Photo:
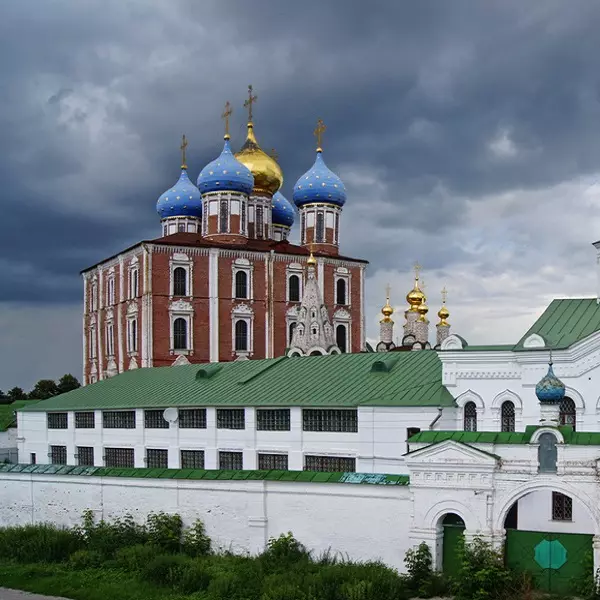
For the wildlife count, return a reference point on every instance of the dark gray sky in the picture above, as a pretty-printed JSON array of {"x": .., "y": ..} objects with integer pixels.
[{"x": 467, "y": 133}]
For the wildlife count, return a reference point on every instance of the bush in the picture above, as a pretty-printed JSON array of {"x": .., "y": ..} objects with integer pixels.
[
  {"x": 135, "y": 558},
  {"x": 284, "y": 550},
  {"x": 166, "y": 569},
  {"x": 194, "y": 577},
  {"x": 39, "y": 543},
  {"x": 106, "y": 538},
  {"x": 195, "y": 541},
  {"x": 85, "y": 559},
  {"x": 164, "y": 531}
]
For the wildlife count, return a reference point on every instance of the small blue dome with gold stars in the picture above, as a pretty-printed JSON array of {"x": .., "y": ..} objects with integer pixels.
[
  {"x": 319, "y": 184},
  {"x": 283, "y": 213},
  {"x": 550, "y": 389},
  {"x": 225, "y": 173},
  {"x": 182, "y": 200}
]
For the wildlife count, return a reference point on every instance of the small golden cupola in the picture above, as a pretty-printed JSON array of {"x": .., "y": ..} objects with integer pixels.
[
  {"x": 444, "y": 313},
  {"x": 415, "y": 297},
  {"x": 387, "y": 310},
  {"x": 268, "y": 177},
  {"x": 423, "y": 309}
]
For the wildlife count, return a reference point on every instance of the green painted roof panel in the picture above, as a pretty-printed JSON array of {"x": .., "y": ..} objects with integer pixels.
[
  {"x": 414, "y": 379},
  {"x": 7, "y": 413}
]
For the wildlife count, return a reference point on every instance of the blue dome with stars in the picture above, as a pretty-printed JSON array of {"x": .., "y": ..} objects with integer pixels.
[
  {"x": 182, "y": 200},
  {"x": 225, "y": 173},
  {"x": 283, "y": 213},
  {"x": 319, "y": 184},
  {"x": 550, "y": 389}
]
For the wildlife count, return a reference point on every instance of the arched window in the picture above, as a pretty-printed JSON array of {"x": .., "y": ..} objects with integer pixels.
[
  {"x": 180, "y": 334},
  {"x": 179, "y": 282},
  {"x": 241, "y": 284},
  {"x": 320, "y": 228},
  {"x": 547, "y": 453},
  {"x": 241, "y": 336},
  {"x": 294, "y": 288},
  {"x": 291, "y": 328},
  {"x": 181, "y": 228},
  {"x": 259, "y": 225},
  {"x": 223, "y": 217},
  {"x": 470, "y": 416},
  {"x": 340, "y": 337},
  {"x": 340, "y": 291},
  {"x": 507, "y": 416},
  {"x": 568, "y": 412}
]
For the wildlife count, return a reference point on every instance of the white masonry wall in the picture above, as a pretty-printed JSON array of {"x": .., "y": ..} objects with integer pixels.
[{"x": 239, "y": 515}]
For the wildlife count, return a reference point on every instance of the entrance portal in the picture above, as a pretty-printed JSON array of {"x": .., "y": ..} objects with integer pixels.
[{"x": 454, "y": 531}]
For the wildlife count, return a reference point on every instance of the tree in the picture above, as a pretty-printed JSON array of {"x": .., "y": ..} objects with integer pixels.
[
  {"x": 17, "y": 393},
  {"x": 44, "y": 389},
  {"x": 67, "y": 383}
]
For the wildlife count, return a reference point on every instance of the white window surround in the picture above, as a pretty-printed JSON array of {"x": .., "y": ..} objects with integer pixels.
[
  {"x": 291, "y": 316},
  {"x": 344, "y": 274},
  {"x": 93, "y": 345},
  {"x": 242, "y": 312},
  {"x": 293, "y": 269},
  {"x": 464, "y": 398},
  {"x": 180, "y": 309},
  {"x": 243, "y": 264},
  {"x": 499, "y": 400},
  {"x": 343, "y": 317},
  {"x": 179, "y": 259},
  {"x": 134, "y": 278},
  {"x": 133, "y": 332},
  {"x": 94, "y": 294}
]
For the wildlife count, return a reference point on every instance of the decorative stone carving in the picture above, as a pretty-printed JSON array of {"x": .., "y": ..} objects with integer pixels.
[
  {"x": 181, "y": 306},
  {"x": 534, "y": 341},
  {"x": 180, "y": 360}
]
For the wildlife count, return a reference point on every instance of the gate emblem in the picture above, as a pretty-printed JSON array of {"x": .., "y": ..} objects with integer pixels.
[{"x": 550, "y": 555}]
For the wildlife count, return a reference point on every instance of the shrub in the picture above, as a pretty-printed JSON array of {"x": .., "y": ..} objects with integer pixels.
[
  {"x": 85, "y": 559},
  {"x": 164, "y": 531},
  {"x": 194, "y": 577},
  {"x": 135, "y": 558},
  {"x": 106, "y": 538},
  {"x": 166, "y": 569},
  {"x": 195, "y": 541},
  {"x": 284, "y": 550},
  {"x": 39, "y": 543}
]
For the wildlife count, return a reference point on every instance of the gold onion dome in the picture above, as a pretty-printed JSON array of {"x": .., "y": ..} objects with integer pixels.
[
  {"x": 443, "y": 314},
  {"x": 415, "y": 297},
  {"x": 388, "y": 310},
  {"x": 268, "y": 177},
  {"x": 312, "y": 261},
  {"x": 423, "y": 309}
]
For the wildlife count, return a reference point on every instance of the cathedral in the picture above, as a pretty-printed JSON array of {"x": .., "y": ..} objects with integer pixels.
[{"x": 223, "y": 282}]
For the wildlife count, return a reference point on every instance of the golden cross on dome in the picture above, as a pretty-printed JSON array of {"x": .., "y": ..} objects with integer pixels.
[
  {"x": 226, "y": 114},
  {"x": 320, "y": 129},
  {"x": 274, "y": 154},
  {"x": 248, "y": 104},
  {"x": 184, "y": 144},
  {"x": 418, "y": 268},
  {"x": 388, "y": 289},
  {"x": 444, "y": 294}
]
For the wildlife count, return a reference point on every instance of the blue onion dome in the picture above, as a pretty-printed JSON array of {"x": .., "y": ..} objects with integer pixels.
[
  {"x": 550, "y": 389},
  {"x": 182, "y": 200},
  {"x": 319, "y": 184},
  {"x": 225, "y": 173},
  {"x": 283, "y": 213}
]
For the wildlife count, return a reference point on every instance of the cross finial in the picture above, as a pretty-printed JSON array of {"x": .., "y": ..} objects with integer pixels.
[
  {"x": 226, "y": 114},
  {"x": 183, "y": 146},
  {"x": 274, "y": 154},
  {"x": 418, "y": 268},
  {"x": 248, "y": 104},
  {"x": 387, "y": 292},
  {"x": 444, "y": 295},
  {"x": 320, "y": 129}
]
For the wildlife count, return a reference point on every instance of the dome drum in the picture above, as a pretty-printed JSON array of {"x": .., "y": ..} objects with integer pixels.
[{"x": 226, "y": 217}]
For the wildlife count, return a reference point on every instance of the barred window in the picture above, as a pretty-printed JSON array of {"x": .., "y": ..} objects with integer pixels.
[
  {"x": 118, "y": 457},
  {"x": 241, "y": 284},
  {"x": 241, "y": 336},
  {"x": 320, "y": 228},
  {"x": 85, "y": 420},
  {"x": 259, "y": 225},
  {"x": 118, "y": 419},
  {"x": 330, "y": 420},
  {"x": 273, "y": 419},
  {"x": 266, "y": 462},
  {"x": 470, "y": 416},
  {"x": 243, "y": 218},
  {"x": 179, "y": 281},
  {"x": 153, "y": 419},
  {"x": 562, "y": 507},
  {"x": 192, "y": 418},
  {"x": 331, "y": 464},
  {"x": 58, "y": 420},
  {"x": 568, "y": 412},
  {"x": 180, "y": 335},
  {"x": 231, "y": 418},
  {"x": 58, "y": 455},
  {"x": 157, "y": 458},
  {"x": 231, "y": 461},
  {"x": 192, "y": 459},
  {"x": 85, "y": 456},
  {"x": 508, "y": 416}
]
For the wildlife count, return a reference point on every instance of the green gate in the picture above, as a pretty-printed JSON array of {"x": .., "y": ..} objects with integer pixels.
[
  {"x": 554, "y": 560},
  {"x": 453, "y": 537}
]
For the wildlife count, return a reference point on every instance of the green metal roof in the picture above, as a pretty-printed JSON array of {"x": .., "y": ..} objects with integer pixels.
[
  {"x": 7, "y": 413},
  {"x": 566, "y": 322},
  {"x": 299, "y": 476},
  {"x": 578, "y": 438},
  {"x": 344, "y": 380}
]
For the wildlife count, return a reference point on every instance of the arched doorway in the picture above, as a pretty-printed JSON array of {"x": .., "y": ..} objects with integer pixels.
[
  {"x": 549, "y": 534},
  {"x": 453, "y": 532}
]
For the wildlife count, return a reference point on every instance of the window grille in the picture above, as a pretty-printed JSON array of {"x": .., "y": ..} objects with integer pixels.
[
  {"x": 192, "y": 459},
  {"x": 331, "y": 464},
  {"x": 562, "y": 507},
  {"x": 241, "y": 284},
  {"x": 259, "y": 222},
  {"x": 340, "y": 338},
  {"x": 320, "y": 229},
  {"x": 121, "y": 419},
  {"x": 266, "y": 462},
  {"x": 180, "y": 334},
  {"x": 241, "y": 336},
  {"x": 470, "y": 417},
  {"x": 231, "y": 461},
  {"x": 568, "y": 412},
  {"x": 508, "y": 416},
  {"x": 294, "y": 288},
  {"x": 153, "y": 419},
  {"x": 118, "y": 457},
  {"x": 273, "y": 419},
  {"x": 223, "y": 217},
  {"x": 157, "y": 459},
  {"x": 85, "y": 420},
  {"x": 230, "y": 418},
  {"x": 179, "y": 282},
  {"x": 330, "y": 420},
  {"x": 192, "y": 418},
  {"x": 85, "y": 456},
  {"x": 58, "y": 420},
  {"x": 58, "y": 455},
  {"x": 340, "y": 291}
]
